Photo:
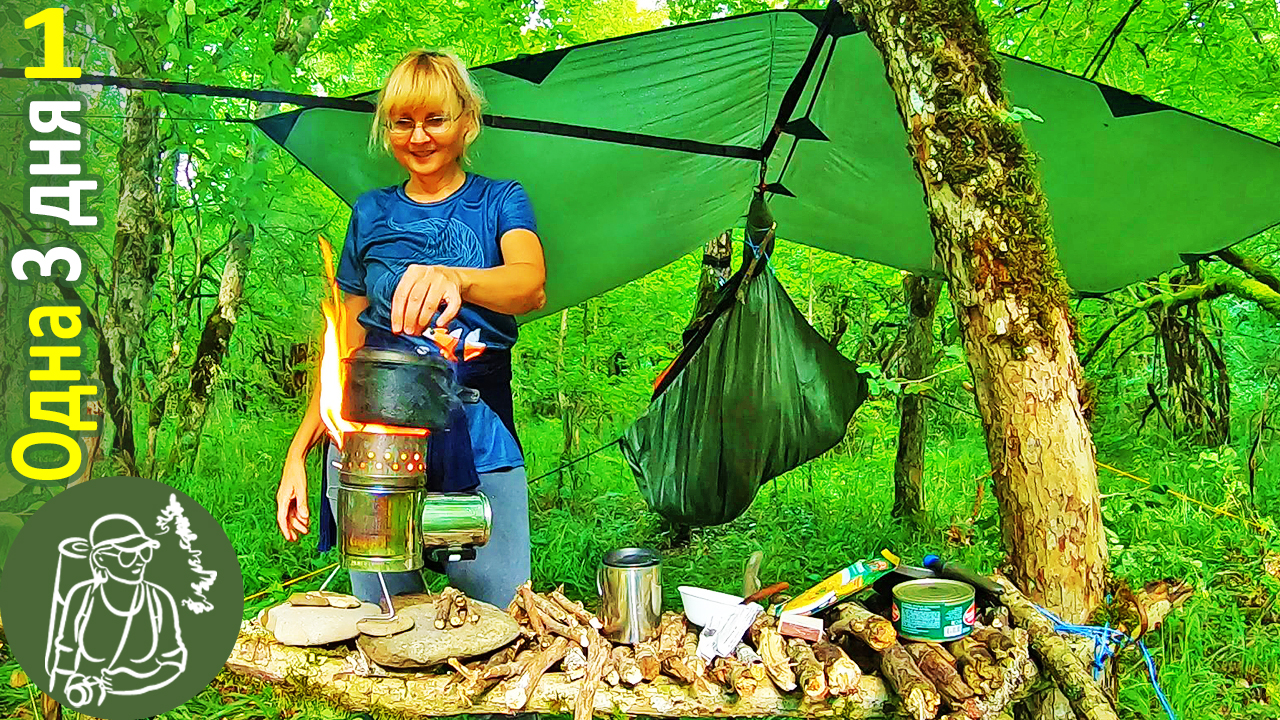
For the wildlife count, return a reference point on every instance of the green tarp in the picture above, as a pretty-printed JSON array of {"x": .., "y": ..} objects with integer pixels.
[{"x": 639, "y": 149}]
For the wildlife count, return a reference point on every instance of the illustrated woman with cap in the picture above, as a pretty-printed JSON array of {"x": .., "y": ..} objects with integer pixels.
[{"x": 116, "y": 633}]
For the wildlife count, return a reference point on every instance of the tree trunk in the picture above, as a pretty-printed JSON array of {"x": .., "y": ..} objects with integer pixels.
[
  {"x": 993, "y": 237},
  {"x": 1197, "y": 386},
  {"x": 292, "y": 37},
  {"x": 917, "y": 362},
  {"x": 136, "y": 248}
]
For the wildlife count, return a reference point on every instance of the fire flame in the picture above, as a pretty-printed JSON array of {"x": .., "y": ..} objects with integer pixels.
[{"x": 331, "y": 367}]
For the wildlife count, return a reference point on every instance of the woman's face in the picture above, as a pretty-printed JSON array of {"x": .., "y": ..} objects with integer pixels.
[{"x": 427, "y": 140}]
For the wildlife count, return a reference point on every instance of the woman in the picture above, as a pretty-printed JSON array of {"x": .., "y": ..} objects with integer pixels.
[{"x": 451, "y": 250}]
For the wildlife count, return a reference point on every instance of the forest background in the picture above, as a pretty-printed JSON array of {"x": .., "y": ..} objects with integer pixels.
[{"x": 206, "y": 279}]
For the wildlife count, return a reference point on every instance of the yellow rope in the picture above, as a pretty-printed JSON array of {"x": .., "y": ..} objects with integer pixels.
[
  {"x": 1191, "y": 500},
  {"x": 287, "y": 583}
]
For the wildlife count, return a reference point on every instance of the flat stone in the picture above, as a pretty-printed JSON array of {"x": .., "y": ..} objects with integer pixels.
[
  {"x": 308, "y": 599},
  {"x": 424, "y": 645},
  {"x": 304, "y": 626},
  {"x": 386, "y": 628}
]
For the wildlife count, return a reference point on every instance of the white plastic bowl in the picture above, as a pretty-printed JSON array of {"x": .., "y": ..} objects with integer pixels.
[{"x": 701, "y": 605}]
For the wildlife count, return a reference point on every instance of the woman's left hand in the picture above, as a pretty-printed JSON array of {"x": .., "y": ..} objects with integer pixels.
[{"x": 421, "y": 292}]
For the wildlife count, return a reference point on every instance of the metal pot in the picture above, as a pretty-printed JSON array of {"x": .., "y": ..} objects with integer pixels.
[
  {"x": 391, "y": 387},
  {"x": 630, "y": 586}
]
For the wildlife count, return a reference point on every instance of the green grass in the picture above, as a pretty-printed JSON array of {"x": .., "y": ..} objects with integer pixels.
[{"x": 1219, "y": 656}]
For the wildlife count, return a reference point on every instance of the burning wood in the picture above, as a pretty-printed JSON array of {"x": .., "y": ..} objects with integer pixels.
[
  {"x": 853, "y": 619},
  {"x": 843, "y": 674},
  {"x": 813, "y": 676},
  {"x": 918, "y": 696}
]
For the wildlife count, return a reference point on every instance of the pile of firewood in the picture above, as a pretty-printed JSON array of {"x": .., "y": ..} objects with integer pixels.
[{"x": 973, "y": 678}]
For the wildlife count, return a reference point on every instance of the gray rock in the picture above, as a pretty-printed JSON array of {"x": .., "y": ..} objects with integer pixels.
[
  {"x": 304, "y": 626},
  {"x": 424, "y": 645}
]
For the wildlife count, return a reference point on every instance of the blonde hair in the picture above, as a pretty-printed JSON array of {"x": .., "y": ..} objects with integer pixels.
[{"x": 428, "y": 77}]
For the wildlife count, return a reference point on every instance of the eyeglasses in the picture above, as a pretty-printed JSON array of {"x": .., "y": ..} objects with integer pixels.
[
  {"x": 434, "y": 125},
  {"x": 128, "y": 557}
]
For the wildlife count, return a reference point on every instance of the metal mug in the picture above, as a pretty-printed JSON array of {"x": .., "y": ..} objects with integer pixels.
[{"x": 630, "y": 585}]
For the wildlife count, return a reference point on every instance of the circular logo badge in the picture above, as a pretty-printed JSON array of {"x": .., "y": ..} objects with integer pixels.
[
  {"x": 896, "y": 615},
  {"x": 971, "y": 615},
  {"x": 121, "y": 598}
]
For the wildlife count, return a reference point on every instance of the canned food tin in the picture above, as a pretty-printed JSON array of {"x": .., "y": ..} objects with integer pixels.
[{"x": 933, "y": 610}]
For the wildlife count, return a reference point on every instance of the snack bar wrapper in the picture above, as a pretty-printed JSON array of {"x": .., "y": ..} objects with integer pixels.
[{"x": 848, "y": 581}]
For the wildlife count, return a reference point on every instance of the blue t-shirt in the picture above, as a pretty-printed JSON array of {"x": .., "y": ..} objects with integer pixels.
[{"x": 389, "y": 231}]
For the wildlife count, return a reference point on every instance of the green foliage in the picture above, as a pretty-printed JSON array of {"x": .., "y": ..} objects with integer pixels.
[{"x": 1220, "y": 655}]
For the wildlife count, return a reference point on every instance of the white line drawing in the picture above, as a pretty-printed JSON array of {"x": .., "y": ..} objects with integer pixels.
[
  {"x": 115, "y": 633},
  {"x": 173, "y": 513}
]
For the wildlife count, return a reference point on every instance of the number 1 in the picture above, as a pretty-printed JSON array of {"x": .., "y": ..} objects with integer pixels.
[{"x": 53, "y": 48}]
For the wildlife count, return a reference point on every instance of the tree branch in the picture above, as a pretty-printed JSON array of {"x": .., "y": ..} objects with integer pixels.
[
  {"x": 1247, "y": 288},
  {"x": 1251, "y": 267}
]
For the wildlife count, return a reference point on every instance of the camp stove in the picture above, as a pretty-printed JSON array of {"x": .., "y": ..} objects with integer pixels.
[{"x": 388, "y": 522}]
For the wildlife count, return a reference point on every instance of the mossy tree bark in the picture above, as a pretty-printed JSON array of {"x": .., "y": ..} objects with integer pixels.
[
  {"x": 136, "y": 247},
  {"x": 917, "y": 362},
  {"x": 295, "y": 29},
  {"x": 991, "y": 225}
]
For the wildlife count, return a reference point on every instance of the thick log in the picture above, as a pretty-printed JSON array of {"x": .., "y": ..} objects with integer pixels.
[
  {"x": 575, "y": 609},
  {"x": 917, "y": 695},
  {"x": 852, "y": 618},
  {"x": 1019, "y": 673},
  {"x": 773, "y": 651},
  {"x": 1085, "y": 695},
  {"x": 257, "y": 655},
  {"x": 812, "y": 675},
  {"x": 843, "y": 674},
  {"x": 521, "y": 687},
  {"x": 624, "y": 660},
  {"x": 938, "y": 666},
  {"x": 598, "y": 655},
  {"x": 977, "y": 665},
  {"x": 647, "y": 660}
]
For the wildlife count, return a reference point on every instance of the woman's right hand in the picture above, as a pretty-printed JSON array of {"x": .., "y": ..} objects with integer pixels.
[{"x": 292, "y": 514}]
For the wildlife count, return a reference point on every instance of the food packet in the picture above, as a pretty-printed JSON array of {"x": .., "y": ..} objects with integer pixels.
[{"x": 848, "y": 581}]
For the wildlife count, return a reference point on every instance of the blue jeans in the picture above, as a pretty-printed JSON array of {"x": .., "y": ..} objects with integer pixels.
[{"x": 500, "y": 567}]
